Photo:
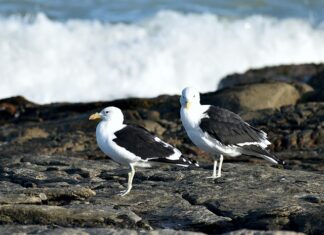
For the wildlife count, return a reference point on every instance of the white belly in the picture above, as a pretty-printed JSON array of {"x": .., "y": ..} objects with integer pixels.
[
  {"x": 112, "y": 152},
  {"x": 211, "y": 145},
  {"x": 197, "y": 137},
  {"x": 111, "y": 149},
  {"x": 194, "y": 132},
  {"x": 203, "y": 140}
]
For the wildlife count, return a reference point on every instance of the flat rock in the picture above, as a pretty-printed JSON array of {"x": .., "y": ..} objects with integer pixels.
[
  {"x": 39, "y": 229},
  {"x": 81, "y": 215},
  {"x": 253, "y": 196}
]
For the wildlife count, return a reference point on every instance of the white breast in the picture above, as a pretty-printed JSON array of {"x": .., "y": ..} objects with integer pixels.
[
  {"x": 191, "y": 121},
  {"x": 105, "y": 137}
]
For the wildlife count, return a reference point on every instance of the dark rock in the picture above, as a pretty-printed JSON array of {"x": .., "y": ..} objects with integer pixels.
[
  {"x": 258, "y": 232},
  {"x": 284, "y": 73},
  {"x": 297, "y": 126},
  {"x": 317, "y": 80},
  {"x": 13, "y": 107},
  {"x": 42, "y": 229}
]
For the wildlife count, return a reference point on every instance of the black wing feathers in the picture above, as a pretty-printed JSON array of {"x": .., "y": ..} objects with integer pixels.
[
  {"x": 140, "y": 142},
  {"x": 254, "y": 149},
  {"x": 228, "y": 127}
]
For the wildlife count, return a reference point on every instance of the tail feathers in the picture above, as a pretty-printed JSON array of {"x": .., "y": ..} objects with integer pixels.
[
  {"x": 190, "y": 160},
  {"x": 181, "y": 161},
  {"x": 254, "y": 150}
]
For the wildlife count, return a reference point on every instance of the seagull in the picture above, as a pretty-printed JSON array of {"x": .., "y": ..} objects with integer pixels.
[
  {"x": 221, "y": 132},
  {"x": 132, "y": 145}
]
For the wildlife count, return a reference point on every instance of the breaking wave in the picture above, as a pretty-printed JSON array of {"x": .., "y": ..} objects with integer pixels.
[{"x": 87, "y": 60}]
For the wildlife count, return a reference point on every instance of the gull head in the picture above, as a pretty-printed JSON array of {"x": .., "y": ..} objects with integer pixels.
[
  {"x": 189, "y": 97},
  {"x": 110, "y": 114}
]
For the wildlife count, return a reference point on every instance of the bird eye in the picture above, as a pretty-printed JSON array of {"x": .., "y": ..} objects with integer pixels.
[{"x": 107, "y": 112}]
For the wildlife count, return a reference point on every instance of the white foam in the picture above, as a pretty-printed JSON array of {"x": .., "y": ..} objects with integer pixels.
[{"x": 81, "y": 60}]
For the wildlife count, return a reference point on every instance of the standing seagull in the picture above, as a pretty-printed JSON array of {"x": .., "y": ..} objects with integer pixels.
[
  {"x": 133, "y": 145},
  {"x": 219, "y": 131}
]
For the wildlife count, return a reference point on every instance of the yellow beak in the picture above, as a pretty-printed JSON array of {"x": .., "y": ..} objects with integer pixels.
[
  {"x": 95, "y": 116},
  {"x": 188, "y": 105}
]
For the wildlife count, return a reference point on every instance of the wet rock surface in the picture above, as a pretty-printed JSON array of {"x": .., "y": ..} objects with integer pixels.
[{"x": 54, "y": 179}]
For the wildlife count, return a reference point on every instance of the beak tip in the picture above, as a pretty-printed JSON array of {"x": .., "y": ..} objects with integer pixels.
[{"x": 94, "y": 116}]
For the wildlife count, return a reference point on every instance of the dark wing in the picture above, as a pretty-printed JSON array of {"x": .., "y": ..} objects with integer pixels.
[
  {"x": 142, "y": 143},
  {"x": 228, "y": 128},
  {"x": 254, "y": 150}
]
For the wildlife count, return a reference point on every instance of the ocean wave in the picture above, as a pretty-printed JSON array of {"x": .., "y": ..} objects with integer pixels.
[{"x": 84, "y": 60}]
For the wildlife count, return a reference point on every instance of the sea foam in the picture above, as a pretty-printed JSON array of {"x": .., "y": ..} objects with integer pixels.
[{"x": 80, "y": 60}]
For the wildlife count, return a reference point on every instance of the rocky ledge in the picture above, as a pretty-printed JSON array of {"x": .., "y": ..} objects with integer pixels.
[{"x": 54, "y": 179}]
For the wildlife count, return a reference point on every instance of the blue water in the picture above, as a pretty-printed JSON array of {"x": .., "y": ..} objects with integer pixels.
[
  {"x": 134, "y": 10},
  {"x": 85, "y": 50}
]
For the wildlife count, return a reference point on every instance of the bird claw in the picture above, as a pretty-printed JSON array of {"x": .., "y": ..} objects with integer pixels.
[
  {"x": 123, "y": 193},
  {"x": 213, "y": 177}
]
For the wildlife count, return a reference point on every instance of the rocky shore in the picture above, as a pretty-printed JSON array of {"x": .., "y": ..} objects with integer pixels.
[{"x": 54, "y": 179}]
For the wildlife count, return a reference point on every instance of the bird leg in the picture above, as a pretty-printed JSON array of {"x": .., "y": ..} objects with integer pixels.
[
  {"x": 219, "y": 172},
  {"x": 214, "y": 171},
  {"x": 130, "y": 181}
]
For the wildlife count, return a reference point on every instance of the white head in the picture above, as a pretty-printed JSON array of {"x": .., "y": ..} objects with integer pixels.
[
  {"x": 190, "y": 97},
  {"x": 110, "y": 114}
]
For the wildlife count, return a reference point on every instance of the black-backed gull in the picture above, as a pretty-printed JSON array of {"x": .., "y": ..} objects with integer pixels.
[
  {"x": 221, "y": 132},
  {"x": 133, "y": 145}
]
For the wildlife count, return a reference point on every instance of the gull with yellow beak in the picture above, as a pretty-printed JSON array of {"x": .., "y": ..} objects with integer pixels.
[
  {"x": 220, "y": 132},
  {"x": 133, "y": 146}
]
